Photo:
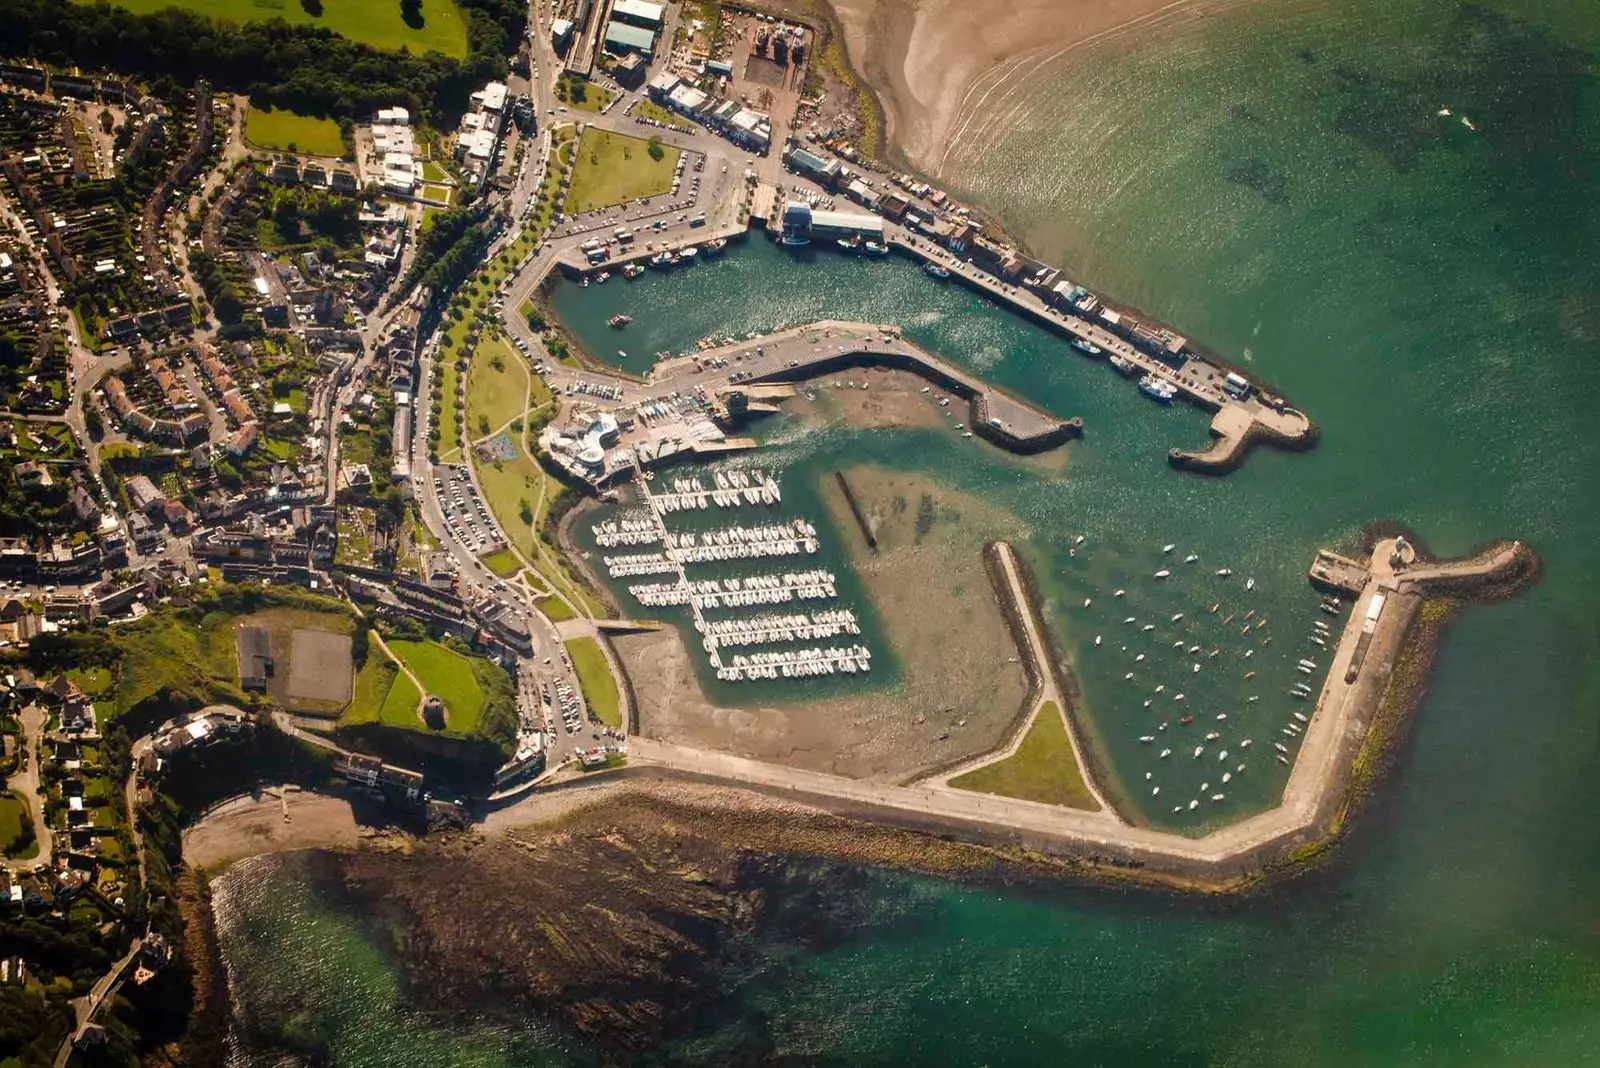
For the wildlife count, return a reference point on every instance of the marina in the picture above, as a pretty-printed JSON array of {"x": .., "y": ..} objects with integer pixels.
[{"x": 775, "y": 643}]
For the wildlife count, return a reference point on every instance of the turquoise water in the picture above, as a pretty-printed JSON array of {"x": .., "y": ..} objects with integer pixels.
[{"x": 1276, "y": 182}]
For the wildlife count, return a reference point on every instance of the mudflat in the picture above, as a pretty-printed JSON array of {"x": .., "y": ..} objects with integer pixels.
[
  {"x": 962, "y": 684},
  {"x": 941, "y": 66}
]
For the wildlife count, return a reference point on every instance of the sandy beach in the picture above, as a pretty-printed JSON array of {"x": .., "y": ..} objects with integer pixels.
[
  {"x": 939, "y": 65},
  {"x": 248, "y": 826}
]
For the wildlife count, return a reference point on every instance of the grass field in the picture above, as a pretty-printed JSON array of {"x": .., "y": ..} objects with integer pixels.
[
  {"x": 594, "y": 676},
  {"x": 447, "y": 675},
  {"x": 1042, "y": 769},
  {"x": 595, "y": 97},
  {"x": 503, "y": 563},
  {"x": 373, "y": 22},
  {"x": 14, "y": 817},
  {"x": 495, "y": 395},
  {"x": 399, "y": 708},
  {"x": 556, "y": 610},
  {"x": 94, "y": 682},
  {"x": 370, "y": 689},
  {"x": 169, "y": 654},
  {"x": 614, "y": 169},
  {"x": 284, "y": 131}
]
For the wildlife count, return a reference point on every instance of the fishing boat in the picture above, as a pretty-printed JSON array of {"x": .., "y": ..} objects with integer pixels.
[
  {"x": 1224, "y": 572},
  {"x": 1087, "y": 601},
  {"x": 1212, "y": 736},
  {"x": 1158, "y": 389},
  {"x": 632, "y": 270},
  {"x": 1177, "y": 616},
  {"x": 1146, "y": 739},
  {"x": 1249, "y": 583},
  {"x": 1162, "y": 574},
  {"x": 661, "y": 259},
  {"x": 1097, "y": 639},
  {"x": 603, "y": 276},
  {"x": 716, "y": 245},
  {"x": 1124, "y": 365},
  {"x": 1191, "y": 558},
  {"x": 933, "y": 270},
  {"x": 1198, "y": 750},
  {"x": 874, "y": 248},
  {"x": 622, "y": 354},
  {"x": 1244, "y": 745},
  {"x": 1088, "y": 348},
  {"x": 1120, "y": 593},
  {"x": 1186, "y": 720},
  {"x": 617, "y": 322},
  {"x": 1165, "y": 753},
  {"x": 688, "y": 255}
]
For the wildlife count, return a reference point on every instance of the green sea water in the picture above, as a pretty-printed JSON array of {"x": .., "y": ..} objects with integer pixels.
[{"x": 1277, "y": 182}]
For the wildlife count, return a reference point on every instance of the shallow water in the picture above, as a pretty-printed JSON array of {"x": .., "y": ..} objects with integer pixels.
[{"x": 1276, "y": 182}]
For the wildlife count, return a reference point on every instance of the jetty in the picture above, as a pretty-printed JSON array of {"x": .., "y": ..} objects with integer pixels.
[
  {"x": 823, "y": 348},
  {"x": 1244, "y": 415}
]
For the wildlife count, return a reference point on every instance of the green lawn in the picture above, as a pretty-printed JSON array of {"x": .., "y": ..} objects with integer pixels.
[
  {"x": 16, "y": 824},
  {"x": 399, "y": 707},
  {"x": 445, "y": 674},
  {"x": 614, "y": 169},
  {"x": 432, "y": 172},
  {"x": 165, "y": 653},
  {"x": 1042, "y": 769},
  {"x": 556, "y": 610},
  {"x": 503, "y": 563},
  {"x": 594, "y": 97},
  {"x": 594, "y": 676},
  {"x": 370, "y": 689},
  {"x": 93, "y": 681},
  {"x": 497, "y": 387},
  {"x": 373, "y": 22},
  {"x": 284, "y": 131}
]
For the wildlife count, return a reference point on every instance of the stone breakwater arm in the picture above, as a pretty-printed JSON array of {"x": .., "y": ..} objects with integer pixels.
[
  {"x": 825, "y": 348},
  {"x": 1313, "y": 801}
]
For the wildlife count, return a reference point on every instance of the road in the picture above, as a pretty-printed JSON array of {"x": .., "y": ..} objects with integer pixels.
[{"x": 26, "y": 783}]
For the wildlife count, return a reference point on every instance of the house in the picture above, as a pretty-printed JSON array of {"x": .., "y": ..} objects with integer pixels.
[{"x": 255, "y": 657}]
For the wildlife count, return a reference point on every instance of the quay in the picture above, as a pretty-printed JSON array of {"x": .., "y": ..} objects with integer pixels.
[
  {"x": 1314, "y": 799},
  {"x": 712, "y": 390},
  {"x": 1239, "y": 421}
]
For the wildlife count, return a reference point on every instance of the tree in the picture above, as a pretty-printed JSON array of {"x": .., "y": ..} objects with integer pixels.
[
  {"x": 525, "y": 511},
  {"x": 483, "y": 424},
  {"x": 655, "y": 149}
]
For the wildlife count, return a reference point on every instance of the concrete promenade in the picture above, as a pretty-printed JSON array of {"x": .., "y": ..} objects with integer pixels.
[{"x": 1311, "y": 799}]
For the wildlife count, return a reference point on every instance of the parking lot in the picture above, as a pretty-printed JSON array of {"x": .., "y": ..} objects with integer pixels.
[{"x": 464, "y": 511}]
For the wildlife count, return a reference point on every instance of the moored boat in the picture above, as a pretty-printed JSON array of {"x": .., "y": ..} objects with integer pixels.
[
  {"x": 935, "y": 271},
  {"x": 618, "y": 321},
  {"x": 1158, "y": 389},
  {"x": 1088, "y": 348},
  {"x": 1125, "y": 365}
]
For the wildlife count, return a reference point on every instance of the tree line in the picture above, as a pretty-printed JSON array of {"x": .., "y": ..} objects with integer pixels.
[{"x": 306, "y": 69}]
